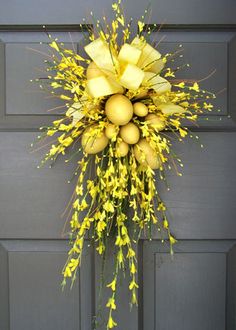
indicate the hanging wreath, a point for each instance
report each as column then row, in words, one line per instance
column 123, row 107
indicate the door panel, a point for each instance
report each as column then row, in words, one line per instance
column 22, row 64
column 231, row 289
column 202, row 202
column 22, row 55
column 190, row 291
column 206, row 53
column 30, row 280
column 197, row 289
column 163, row 11
column 32, row 200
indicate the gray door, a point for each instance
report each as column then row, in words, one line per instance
column 197, row 289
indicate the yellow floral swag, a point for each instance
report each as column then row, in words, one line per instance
column 123, row 107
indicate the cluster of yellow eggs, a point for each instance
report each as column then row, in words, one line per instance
column 120, row 111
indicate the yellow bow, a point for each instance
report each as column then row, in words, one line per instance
column 137, row 64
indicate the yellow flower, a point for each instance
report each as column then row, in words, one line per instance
column 154, row 219
column 121, row 20
column 112, row 285
column 134, row 298
column 108, row 206
column 111, row 323
column 100, row 248
column 169, row 73
column 64, row 127
column 54, row 149
column 83, row 205
column 133, row 190
column 172, row 239
column 73, row 264
column 79, row 190
column 207, row 106
column 55, row 84
column 111, row 303
column 101, row 225
column 115, row 6
column 119, row 241
column 133, row 268
column 51, row 132
column 180, row 85
column 74, row 220
column 65, row 97
column 57, row 122
column 165, row 224
column 123, row 230
column 126, row 240
column 54, row 45
column 120, row 257
column 195, row 106
column 130, row 253
column 161, row 207
column 133, row 285
column 66, row 142
column 140, row 26
column 67, row 272
column 195, row 87
column 182, row 132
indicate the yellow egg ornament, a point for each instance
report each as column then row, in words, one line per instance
column 130, row 133
column 111, row 131
column 93, row 71
column 122, row 149
column 146, row 155
column 140, row 109
column 155, row 120
column 119, row 109
column 93, row 144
